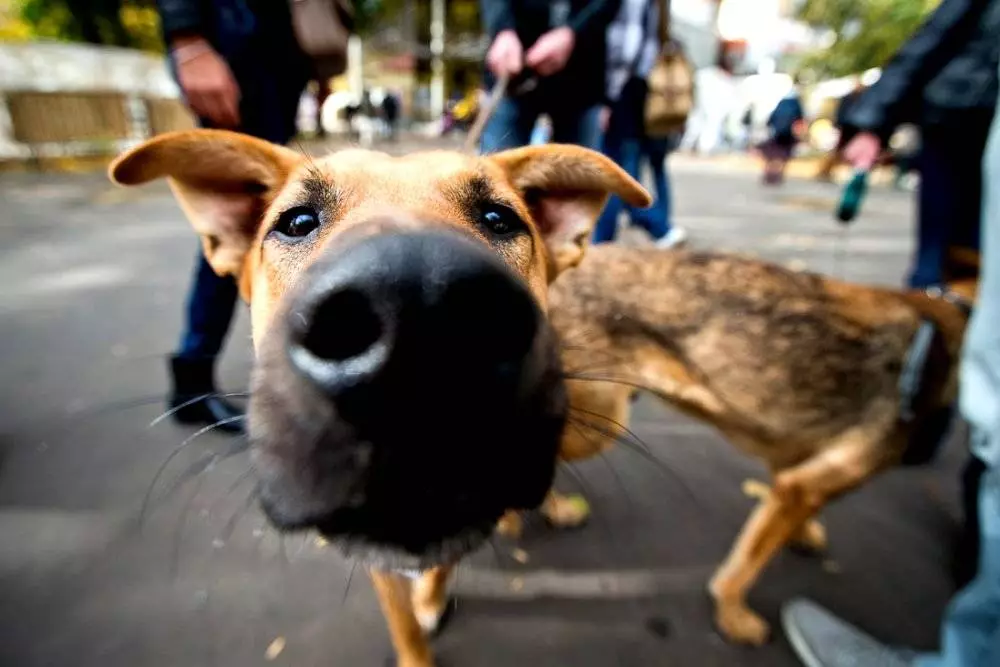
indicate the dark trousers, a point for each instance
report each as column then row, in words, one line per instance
column 950, row 198
column 270, row 88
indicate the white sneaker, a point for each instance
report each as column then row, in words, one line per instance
column 675, row 237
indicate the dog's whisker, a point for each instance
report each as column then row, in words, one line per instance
column 173, row 455
column 204, row 465
column 241, row 511
column 283, row 552
column 633, row 443
column 497, row 559
column 172, row 411
column 175, row 557
column 634, row 384
column 347, row 585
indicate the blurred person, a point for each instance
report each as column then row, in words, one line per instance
column 944, row 80
column 554, row 54
column 239, row 67
column 784, row 125
column 715, row 92
column 633, row 44
column 970, row 630
column 844, row 130
column 390, row 112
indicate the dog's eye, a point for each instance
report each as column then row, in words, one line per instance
column 297, row 222
column 501, row 221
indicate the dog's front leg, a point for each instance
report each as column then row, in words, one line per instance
column 430, row 598
column 394, row 593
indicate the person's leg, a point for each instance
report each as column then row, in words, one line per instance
column 625, row 152
column 268, row 105
column 510, row 126
column 935, row 210
column 970, row 632
column 621, row 144
column 577, row 126
column 656, row 219
column 971, row 627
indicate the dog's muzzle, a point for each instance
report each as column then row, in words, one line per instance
column 410, row 395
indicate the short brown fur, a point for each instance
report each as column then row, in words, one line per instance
column 796, row 369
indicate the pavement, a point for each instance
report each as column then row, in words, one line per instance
column 123, row 543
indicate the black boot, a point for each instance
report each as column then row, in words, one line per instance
column 195, row 400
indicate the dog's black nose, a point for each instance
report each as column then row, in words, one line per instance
column 407, row 317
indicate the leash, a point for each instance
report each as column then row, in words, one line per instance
column 484, row 115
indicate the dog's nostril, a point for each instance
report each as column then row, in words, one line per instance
column 344, row 326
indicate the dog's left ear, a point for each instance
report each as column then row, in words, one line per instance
column 565, row 188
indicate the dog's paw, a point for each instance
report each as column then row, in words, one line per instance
column 810, row 538
column 434, row 620
column 566, row 511
column 510, row 525
column 740, row 625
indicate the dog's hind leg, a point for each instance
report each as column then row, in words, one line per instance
column 430, row 598
column 809, row 537
column 797, row 495
column 408, row 638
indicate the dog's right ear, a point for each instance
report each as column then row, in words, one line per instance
column 222, row 180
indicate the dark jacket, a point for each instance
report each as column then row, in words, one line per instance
column 582, row 82
column 946, row 73
column 257, row 41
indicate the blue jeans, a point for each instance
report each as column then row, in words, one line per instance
column 514, row 120
column 970, row 631
column 270, row 87
column 626, row 144
column 629, row 155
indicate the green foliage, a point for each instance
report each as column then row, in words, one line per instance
column 129, row 23
column 370, row 14
column 866, row 32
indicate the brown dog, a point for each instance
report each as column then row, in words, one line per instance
column 406, row 372
column 801, row 371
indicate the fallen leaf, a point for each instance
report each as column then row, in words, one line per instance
column 516, row 584
column 754, row 488
column 275, row 648
column 520, row 555
column 321, row 541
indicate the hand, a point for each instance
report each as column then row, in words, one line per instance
column 207, row 82
column 603, row 118
column 551, row 52
column 863, row 151
column 506, row 55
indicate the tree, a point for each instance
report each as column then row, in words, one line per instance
column 864, row 33
column 129, row 23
